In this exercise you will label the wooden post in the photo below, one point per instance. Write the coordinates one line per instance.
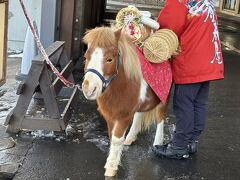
(3, 39)
(67, 24)
(238, 8)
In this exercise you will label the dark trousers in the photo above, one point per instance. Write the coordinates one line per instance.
(190, 108)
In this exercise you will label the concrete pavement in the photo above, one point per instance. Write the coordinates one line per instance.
(82, 154)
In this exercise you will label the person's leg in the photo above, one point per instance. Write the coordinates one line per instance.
(183, 106)
(200, 110)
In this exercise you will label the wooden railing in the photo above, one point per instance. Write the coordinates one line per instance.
(154, 6)
(145, 2)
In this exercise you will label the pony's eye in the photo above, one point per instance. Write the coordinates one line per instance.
(109, 60)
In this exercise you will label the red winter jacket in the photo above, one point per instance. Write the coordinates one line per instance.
(195, 24)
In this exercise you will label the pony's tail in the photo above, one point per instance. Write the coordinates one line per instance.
(155, 115)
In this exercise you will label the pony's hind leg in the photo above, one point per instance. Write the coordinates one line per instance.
(159, 134)
(116, 148)
(159, 137)
(134, 130)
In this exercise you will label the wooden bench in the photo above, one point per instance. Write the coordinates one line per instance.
(42, 80)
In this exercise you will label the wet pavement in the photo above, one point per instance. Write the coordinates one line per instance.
(81, 154)
(229, 31)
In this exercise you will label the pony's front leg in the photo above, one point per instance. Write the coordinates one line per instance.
(134, 130)
(159, 133)
(116, 148)
(110, 128)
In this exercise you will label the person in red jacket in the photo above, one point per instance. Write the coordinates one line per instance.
(200, 61)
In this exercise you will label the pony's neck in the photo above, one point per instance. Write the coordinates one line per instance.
(120, 81)
(119, 90)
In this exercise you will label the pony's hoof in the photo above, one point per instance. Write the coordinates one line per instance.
(128, 142)
(110, 172)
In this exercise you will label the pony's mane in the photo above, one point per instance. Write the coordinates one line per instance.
(105, 37)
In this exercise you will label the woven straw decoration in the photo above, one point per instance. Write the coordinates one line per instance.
(122, 14)
(160, 46)
(131, 16)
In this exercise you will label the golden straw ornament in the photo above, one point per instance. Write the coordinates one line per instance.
(137, 24)
(160, 46)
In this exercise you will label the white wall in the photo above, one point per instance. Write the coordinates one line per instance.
(48, 22)
(41, 11)
(17, 25)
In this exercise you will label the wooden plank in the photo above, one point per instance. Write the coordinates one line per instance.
(66, 72)
(71, 103)
(67, 24)
(24, 99)
(93, 12)
(55, 58)
(150, 2)
(20, 88)
(54, 52)
(77, 49)
(102, 9)
(49, 96)
(63, 61)
(8, 118)
(3, 40)
(115, 4)
(40, 124)
(129, 1)
(237, 11)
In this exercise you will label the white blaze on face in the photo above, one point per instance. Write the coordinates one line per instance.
(94, 85)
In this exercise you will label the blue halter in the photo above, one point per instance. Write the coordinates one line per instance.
(106, 82)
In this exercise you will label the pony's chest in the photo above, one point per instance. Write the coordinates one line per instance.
(118, 104)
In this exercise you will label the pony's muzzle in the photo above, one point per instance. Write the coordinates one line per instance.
(90, 90)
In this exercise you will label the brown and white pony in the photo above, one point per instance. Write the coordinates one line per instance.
(113, 77)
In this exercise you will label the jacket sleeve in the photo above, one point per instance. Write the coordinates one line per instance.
(173, 16)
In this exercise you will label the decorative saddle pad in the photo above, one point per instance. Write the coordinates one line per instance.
(158, 76)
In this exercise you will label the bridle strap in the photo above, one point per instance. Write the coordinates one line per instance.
(106, 82)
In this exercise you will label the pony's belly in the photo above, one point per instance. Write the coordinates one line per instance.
(150, 102)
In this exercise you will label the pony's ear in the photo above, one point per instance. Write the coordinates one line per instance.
(118, 33)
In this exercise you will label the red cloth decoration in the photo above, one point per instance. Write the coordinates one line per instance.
(158, 76)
